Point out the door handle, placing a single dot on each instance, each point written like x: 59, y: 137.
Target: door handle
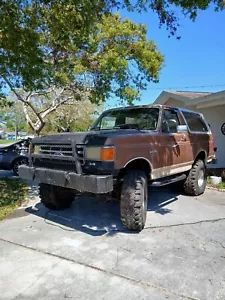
x: 183, y: 139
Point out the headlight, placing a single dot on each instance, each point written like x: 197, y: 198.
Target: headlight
x: 92, y: 153
x: 37, y: 149
x: 100, y: 153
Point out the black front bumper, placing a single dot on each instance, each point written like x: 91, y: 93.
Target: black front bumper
x: 98, y: 184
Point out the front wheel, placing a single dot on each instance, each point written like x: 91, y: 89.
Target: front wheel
x: 55, y: 197
x: 134, y: 200
x: 195, y: 182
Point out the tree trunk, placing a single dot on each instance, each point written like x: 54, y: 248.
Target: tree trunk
x: 16, y: 132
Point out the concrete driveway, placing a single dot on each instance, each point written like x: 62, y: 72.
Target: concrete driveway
x: 85, y: 253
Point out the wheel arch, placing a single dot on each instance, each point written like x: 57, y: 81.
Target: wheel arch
x: 138, y: 163
x: 201, y: 156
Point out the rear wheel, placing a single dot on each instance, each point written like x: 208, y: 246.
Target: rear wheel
x: 195, y: 182
x: 134, y: 200
x: 17, y: 163
x: 55, y: 197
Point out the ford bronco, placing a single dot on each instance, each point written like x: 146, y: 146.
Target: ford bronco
x: 124, y: 151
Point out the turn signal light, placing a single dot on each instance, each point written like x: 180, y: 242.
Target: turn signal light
x: 107, y: 154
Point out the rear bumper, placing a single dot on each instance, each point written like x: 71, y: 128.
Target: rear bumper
x: 98, y: 184
x: 212, y: 160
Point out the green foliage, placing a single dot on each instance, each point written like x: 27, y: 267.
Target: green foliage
x: 13, y: 115
x: 33, y: 33
x: 13, y: 193
x: 220, y: 185
x: 121, y: 60
x: 76, y: 116
x: 4, y: 102
x: 82, y: 46
x: 5, y: 142
x: 21, y: 57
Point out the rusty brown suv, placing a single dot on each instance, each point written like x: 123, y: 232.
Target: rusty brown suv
x: 126, y: 150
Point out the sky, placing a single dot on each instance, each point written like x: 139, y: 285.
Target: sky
x: 196, y: 62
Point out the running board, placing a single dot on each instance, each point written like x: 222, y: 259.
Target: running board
x: 165, y: 181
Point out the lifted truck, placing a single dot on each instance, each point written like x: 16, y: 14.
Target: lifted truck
x: 125, y: 150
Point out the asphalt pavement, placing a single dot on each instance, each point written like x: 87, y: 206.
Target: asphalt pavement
x: 85, y: 253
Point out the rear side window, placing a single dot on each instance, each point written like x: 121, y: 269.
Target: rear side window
x: 195, y: 122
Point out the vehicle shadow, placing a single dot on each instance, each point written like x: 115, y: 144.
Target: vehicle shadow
x: 161, y: 197
x: 98, y: 216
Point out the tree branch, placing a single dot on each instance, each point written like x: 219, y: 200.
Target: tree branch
x: 54, y: 107
x: 53, y: 102
x: 19, y: 97
x: 26, y: 102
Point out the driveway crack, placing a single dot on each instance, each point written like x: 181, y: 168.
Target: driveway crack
x: 107, y: 272
x: 185, y: 224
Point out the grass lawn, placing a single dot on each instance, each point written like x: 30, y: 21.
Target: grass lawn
x: 13, y: 192
x: 5, y: 142
x: 220, y: 186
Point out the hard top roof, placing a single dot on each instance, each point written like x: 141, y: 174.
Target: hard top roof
x: 151, y: 106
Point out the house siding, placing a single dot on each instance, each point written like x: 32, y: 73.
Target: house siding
x: 216, y: 117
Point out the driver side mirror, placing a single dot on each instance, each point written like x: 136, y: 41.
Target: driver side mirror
x: 182, y: 128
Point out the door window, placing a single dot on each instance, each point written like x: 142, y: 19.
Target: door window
x: 170, y: 121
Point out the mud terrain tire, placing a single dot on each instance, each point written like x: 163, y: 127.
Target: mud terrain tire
x: 55, y: 197
x: 134, y: 200
x: 195, y: 182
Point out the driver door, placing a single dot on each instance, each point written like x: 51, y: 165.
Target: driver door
x: 173, y: 144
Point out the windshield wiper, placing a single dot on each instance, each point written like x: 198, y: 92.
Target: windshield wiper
x: 121, y: 126
x: 127, y: 126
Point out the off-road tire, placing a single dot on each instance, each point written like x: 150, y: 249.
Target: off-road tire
x: 55, y: 197
x: 134, y: 200
x: 19, y: 162
x: 193, y: 186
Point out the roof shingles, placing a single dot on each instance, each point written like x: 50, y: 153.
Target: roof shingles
x: 191, y: 95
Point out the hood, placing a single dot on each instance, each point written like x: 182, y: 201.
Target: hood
x: 92, y: 137
x: 4, y: 147
x: 11, y: 145
x: 64, y: 138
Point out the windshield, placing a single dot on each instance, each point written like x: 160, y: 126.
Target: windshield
x: 128, y: 118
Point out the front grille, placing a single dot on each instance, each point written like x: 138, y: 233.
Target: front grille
x: 54, y: 156
x: 55, y: 164
x: 80, y: 152
x: 56, y: 150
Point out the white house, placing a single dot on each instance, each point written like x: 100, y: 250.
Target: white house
x: 212, y: 105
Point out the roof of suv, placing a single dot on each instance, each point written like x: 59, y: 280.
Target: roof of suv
x: 152, y: 106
